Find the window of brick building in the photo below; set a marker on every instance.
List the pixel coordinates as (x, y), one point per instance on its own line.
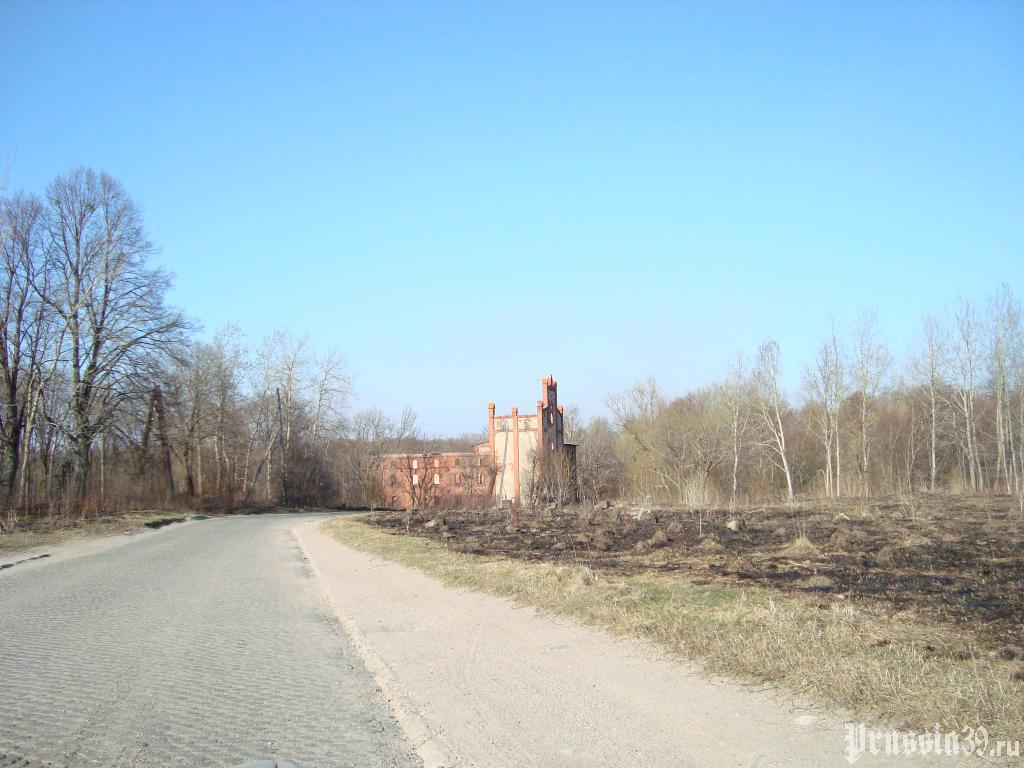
(415, 479)
(437, 479)
(415, 464)
(458, 462)
(394, 465)
(437, 463)
(458, 479)
(479, 479)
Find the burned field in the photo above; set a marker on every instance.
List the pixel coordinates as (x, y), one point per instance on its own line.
(958, 561)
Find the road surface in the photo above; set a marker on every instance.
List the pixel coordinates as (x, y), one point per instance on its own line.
(203, 644)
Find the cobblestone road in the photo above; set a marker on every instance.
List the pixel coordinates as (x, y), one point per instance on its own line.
(202, 645)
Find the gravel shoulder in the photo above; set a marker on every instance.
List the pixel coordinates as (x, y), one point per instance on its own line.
(488, 683)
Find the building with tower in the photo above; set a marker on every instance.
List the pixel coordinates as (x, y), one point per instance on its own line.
(525, 458)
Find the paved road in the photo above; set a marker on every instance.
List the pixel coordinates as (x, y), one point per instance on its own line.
(204, 644)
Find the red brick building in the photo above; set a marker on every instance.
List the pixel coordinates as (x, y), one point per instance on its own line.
(521, 458)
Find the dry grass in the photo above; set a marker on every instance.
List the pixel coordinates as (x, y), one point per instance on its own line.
(898, 669)
(40, 536)
(800, 548)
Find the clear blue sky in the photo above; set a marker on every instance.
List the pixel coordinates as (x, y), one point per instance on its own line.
(612, 190)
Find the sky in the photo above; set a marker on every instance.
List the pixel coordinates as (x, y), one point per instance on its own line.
(466, 197)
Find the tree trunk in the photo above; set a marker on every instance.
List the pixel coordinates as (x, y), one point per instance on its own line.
(81, 454)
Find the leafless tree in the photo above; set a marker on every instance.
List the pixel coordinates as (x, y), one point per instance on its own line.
(653, 455)
(598, 467)
(372, 436)
(736, 400)
(871, 364)
(967, 360)
(826, 388)
(229, 368)
(1004, 347)
(110, 299)
(192, 396)
(29, 336)
(928, 371)
(771, 405)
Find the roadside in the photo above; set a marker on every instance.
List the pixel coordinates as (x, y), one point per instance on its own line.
(86, 536)
(915, 639)
(488, 682)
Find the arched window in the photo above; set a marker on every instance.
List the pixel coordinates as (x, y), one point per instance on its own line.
(437, 479)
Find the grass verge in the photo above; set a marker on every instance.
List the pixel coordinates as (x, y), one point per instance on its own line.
(39, 536)
(889, 668)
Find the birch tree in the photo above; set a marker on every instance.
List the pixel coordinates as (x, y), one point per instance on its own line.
(736, 403)
(1003, 347)
(871, 365)
(929, 367)
(771, 405)
(966, 361)
(825, 385)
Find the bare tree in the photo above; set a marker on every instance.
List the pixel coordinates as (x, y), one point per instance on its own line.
(28, 334)
(736, 397)
(372, 436)
(929, 368)
(825, 385)
(332, 387)
(966, 356)
(285, 364)
(771, 405)
(192, 396)
(598, 467)
(870, 366)
(1004, 340)
(110, 299)
(229, 367)
(640, 413)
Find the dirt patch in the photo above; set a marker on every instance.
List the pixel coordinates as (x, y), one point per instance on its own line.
(958, 560)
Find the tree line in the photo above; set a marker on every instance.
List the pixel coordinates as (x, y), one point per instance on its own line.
(949, 419)
(111, 402)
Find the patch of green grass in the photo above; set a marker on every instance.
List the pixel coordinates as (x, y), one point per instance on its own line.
(898, 669)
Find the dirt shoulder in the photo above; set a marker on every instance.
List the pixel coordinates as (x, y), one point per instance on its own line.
(492, 682)
(80, 536)
(918, 631)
